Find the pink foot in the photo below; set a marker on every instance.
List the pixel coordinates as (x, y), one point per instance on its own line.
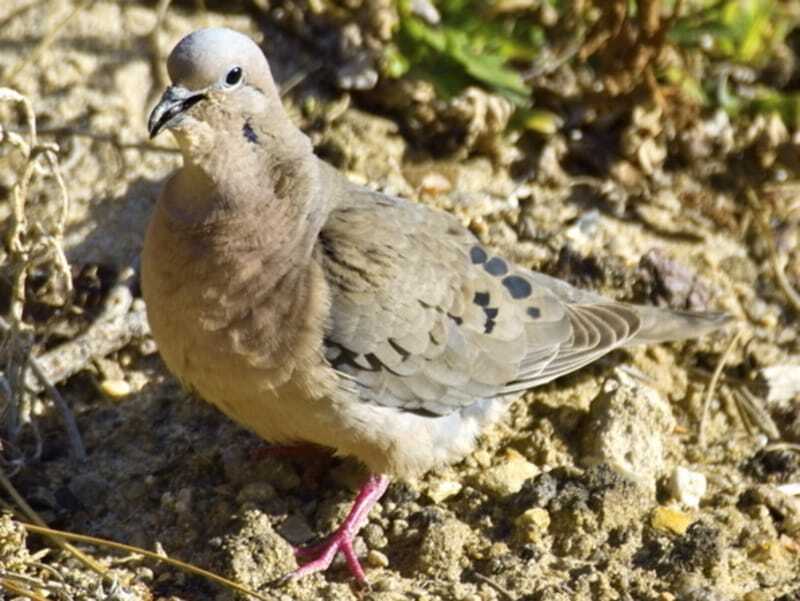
(342, 539)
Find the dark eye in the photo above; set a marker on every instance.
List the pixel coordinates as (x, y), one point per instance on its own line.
(234, 76)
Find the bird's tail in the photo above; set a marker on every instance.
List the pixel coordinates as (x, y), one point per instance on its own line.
(663, 325)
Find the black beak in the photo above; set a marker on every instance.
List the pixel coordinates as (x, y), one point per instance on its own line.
(174, 102)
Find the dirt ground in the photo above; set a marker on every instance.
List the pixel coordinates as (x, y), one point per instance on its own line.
(597, 486)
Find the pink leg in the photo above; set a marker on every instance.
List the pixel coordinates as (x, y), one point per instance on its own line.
(342, 539)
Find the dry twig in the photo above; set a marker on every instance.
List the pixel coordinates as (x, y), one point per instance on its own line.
(28, 511)
(712, 386)
(183, 566)
(31, 245)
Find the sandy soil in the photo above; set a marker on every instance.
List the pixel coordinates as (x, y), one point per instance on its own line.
(571, 497)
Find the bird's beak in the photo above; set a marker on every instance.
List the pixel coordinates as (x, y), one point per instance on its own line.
(174, 102)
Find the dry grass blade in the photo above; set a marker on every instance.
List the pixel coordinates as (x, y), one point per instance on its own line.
(13, 588)
(183, 566)
(783, 446)
(753, 412)
(33, 516)
(712, 386)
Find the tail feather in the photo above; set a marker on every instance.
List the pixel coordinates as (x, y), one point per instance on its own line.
(663, 325)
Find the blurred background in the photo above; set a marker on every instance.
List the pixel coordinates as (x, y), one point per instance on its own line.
(648, 149)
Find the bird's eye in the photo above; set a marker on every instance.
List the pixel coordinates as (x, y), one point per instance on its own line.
(234, 76)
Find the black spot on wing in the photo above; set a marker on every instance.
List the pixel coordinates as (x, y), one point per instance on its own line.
(534, 312)
(477, 255)
(496, 266)
(249, 134)
(456, 319)
(481, 299)
(491, 313)
(517, 286)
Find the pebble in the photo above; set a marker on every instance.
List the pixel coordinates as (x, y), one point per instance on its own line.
(533, 523)
(115, 389)
(377, 559)
(687, 487)
(256, 492)
(626, 430)
(295, 529)
(440, 490)
(442, 549)
(508, 476)
(668, 519)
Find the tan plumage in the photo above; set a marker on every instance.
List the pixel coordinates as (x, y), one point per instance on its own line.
(310, 309)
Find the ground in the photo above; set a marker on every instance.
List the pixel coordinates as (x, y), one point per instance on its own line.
(591, 488)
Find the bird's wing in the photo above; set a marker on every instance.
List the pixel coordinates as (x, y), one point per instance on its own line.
(426, 319)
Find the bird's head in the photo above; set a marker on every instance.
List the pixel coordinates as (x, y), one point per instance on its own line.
(221, 85)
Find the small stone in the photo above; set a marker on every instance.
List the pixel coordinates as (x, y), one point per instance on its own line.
(440, 490)
(377, 559)
(507, 477)
(626, 430)
(183, 501)
(256, 554)
(256, 492)
(434, 184)
(687, 487)
(767, 551)
(374, 536)
(533, 523)
(442, 549)
(668, 519)
(780, 383)
(115, 389)
(295, 529)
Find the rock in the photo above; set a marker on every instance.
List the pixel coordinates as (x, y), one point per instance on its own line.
(626, 429)
(780, 383)
(442, 550)
(257, 492)
(668, 519)
(256, 554)
(508, 476)
(671, 282)
(440, 490)
(296, 530)
(533, 524)
(687, 487)
(377, 559)
(115, 389)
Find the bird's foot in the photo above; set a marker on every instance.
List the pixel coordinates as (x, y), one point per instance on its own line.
(341, 541)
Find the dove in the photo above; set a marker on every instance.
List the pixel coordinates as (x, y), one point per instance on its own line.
(313, 310)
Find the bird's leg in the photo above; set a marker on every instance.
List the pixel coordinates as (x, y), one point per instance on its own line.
(342, 539)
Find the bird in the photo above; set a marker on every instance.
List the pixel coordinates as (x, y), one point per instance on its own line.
(313, 310)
